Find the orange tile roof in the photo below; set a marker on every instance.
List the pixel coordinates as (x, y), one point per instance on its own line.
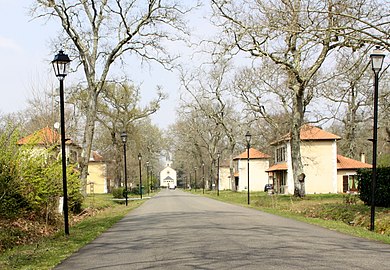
(45, 136)
(253, 154)
(309, 133)
(344, 163)
(96, 157)
(277, 167)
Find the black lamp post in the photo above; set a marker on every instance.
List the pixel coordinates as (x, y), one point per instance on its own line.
(248, 137)
(377, 58)
(203, 176)
(140, 174)
(218, 156)
(60, 64)
(147, 175)
(124, 140)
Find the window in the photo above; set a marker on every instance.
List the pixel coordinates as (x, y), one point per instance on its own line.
(281, 154)
(352, 183)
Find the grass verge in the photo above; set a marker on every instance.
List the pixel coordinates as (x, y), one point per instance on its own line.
(337, 212)
(50, 251)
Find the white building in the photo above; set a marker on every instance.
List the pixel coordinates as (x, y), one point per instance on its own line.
(168, 177)
(258, 164)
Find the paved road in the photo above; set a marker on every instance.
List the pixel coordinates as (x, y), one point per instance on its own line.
(177, 230)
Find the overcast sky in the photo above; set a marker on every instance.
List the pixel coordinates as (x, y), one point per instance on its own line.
(25, 56)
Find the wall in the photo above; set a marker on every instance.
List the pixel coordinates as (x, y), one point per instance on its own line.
(319, 160)
(97, 175)
(168, 171)
(340, 174)
(258, 177)
(224, 178)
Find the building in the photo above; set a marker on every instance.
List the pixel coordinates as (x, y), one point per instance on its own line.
(322, 167)
(258, 164)
(97, 182)
(48, 141)
(224, 176)
(347, 181)
(168, 177)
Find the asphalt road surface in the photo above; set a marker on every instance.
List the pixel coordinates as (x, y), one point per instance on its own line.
(177, 230)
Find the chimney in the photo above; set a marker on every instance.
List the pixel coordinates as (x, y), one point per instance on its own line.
(363, 157)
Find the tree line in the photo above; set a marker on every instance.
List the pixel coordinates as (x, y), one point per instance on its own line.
(269, 66)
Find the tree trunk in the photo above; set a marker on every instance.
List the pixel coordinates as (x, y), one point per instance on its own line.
(296, 158)
(232, 180)
(87, 140)
(118, 170)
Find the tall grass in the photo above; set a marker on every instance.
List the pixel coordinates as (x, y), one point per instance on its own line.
(50, 251)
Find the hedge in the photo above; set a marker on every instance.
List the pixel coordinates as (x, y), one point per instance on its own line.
(382, 190)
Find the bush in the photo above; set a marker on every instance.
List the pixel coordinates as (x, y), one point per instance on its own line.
(118, 193)
(135, 190)
(12, 202)
(382, 190)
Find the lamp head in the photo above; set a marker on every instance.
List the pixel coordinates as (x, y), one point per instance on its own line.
(139, 156)
(60, 64)
(377, 58)
(124, 136)
(248, 137)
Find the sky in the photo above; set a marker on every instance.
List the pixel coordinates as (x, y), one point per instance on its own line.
(25, 56)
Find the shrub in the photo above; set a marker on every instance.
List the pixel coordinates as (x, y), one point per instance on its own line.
(41, 182)
(382, 190)
(12, 203)
(118, 193)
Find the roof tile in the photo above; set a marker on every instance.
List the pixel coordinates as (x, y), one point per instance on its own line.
(253, 154)
(344, 163)
(309, 133)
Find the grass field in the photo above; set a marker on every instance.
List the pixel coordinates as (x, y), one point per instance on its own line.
(344, 213)
(100, 213)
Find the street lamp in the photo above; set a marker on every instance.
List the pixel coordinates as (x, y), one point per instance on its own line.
(203, 176)
(147, 176)
(140, 174)
(60, 65)
(124, 140)
(218, 156)
(377, 58)
(248, 137)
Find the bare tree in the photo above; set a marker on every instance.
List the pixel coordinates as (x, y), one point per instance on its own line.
(348, 88)
(101, 33)
(119, 110)
(209, 96)
(298, 36)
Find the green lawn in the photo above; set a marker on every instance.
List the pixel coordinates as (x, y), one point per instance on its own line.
(344, 213)
(99, 215)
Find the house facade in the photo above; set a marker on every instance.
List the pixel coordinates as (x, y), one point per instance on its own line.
(321, 164)
(224, 176)
(347, 181)
(97, 175)
(48, 138)
(168, 177)
(258, 164)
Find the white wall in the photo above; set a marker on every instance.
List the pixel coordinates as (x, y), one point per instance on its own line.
(168, 171)
(258, 177)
